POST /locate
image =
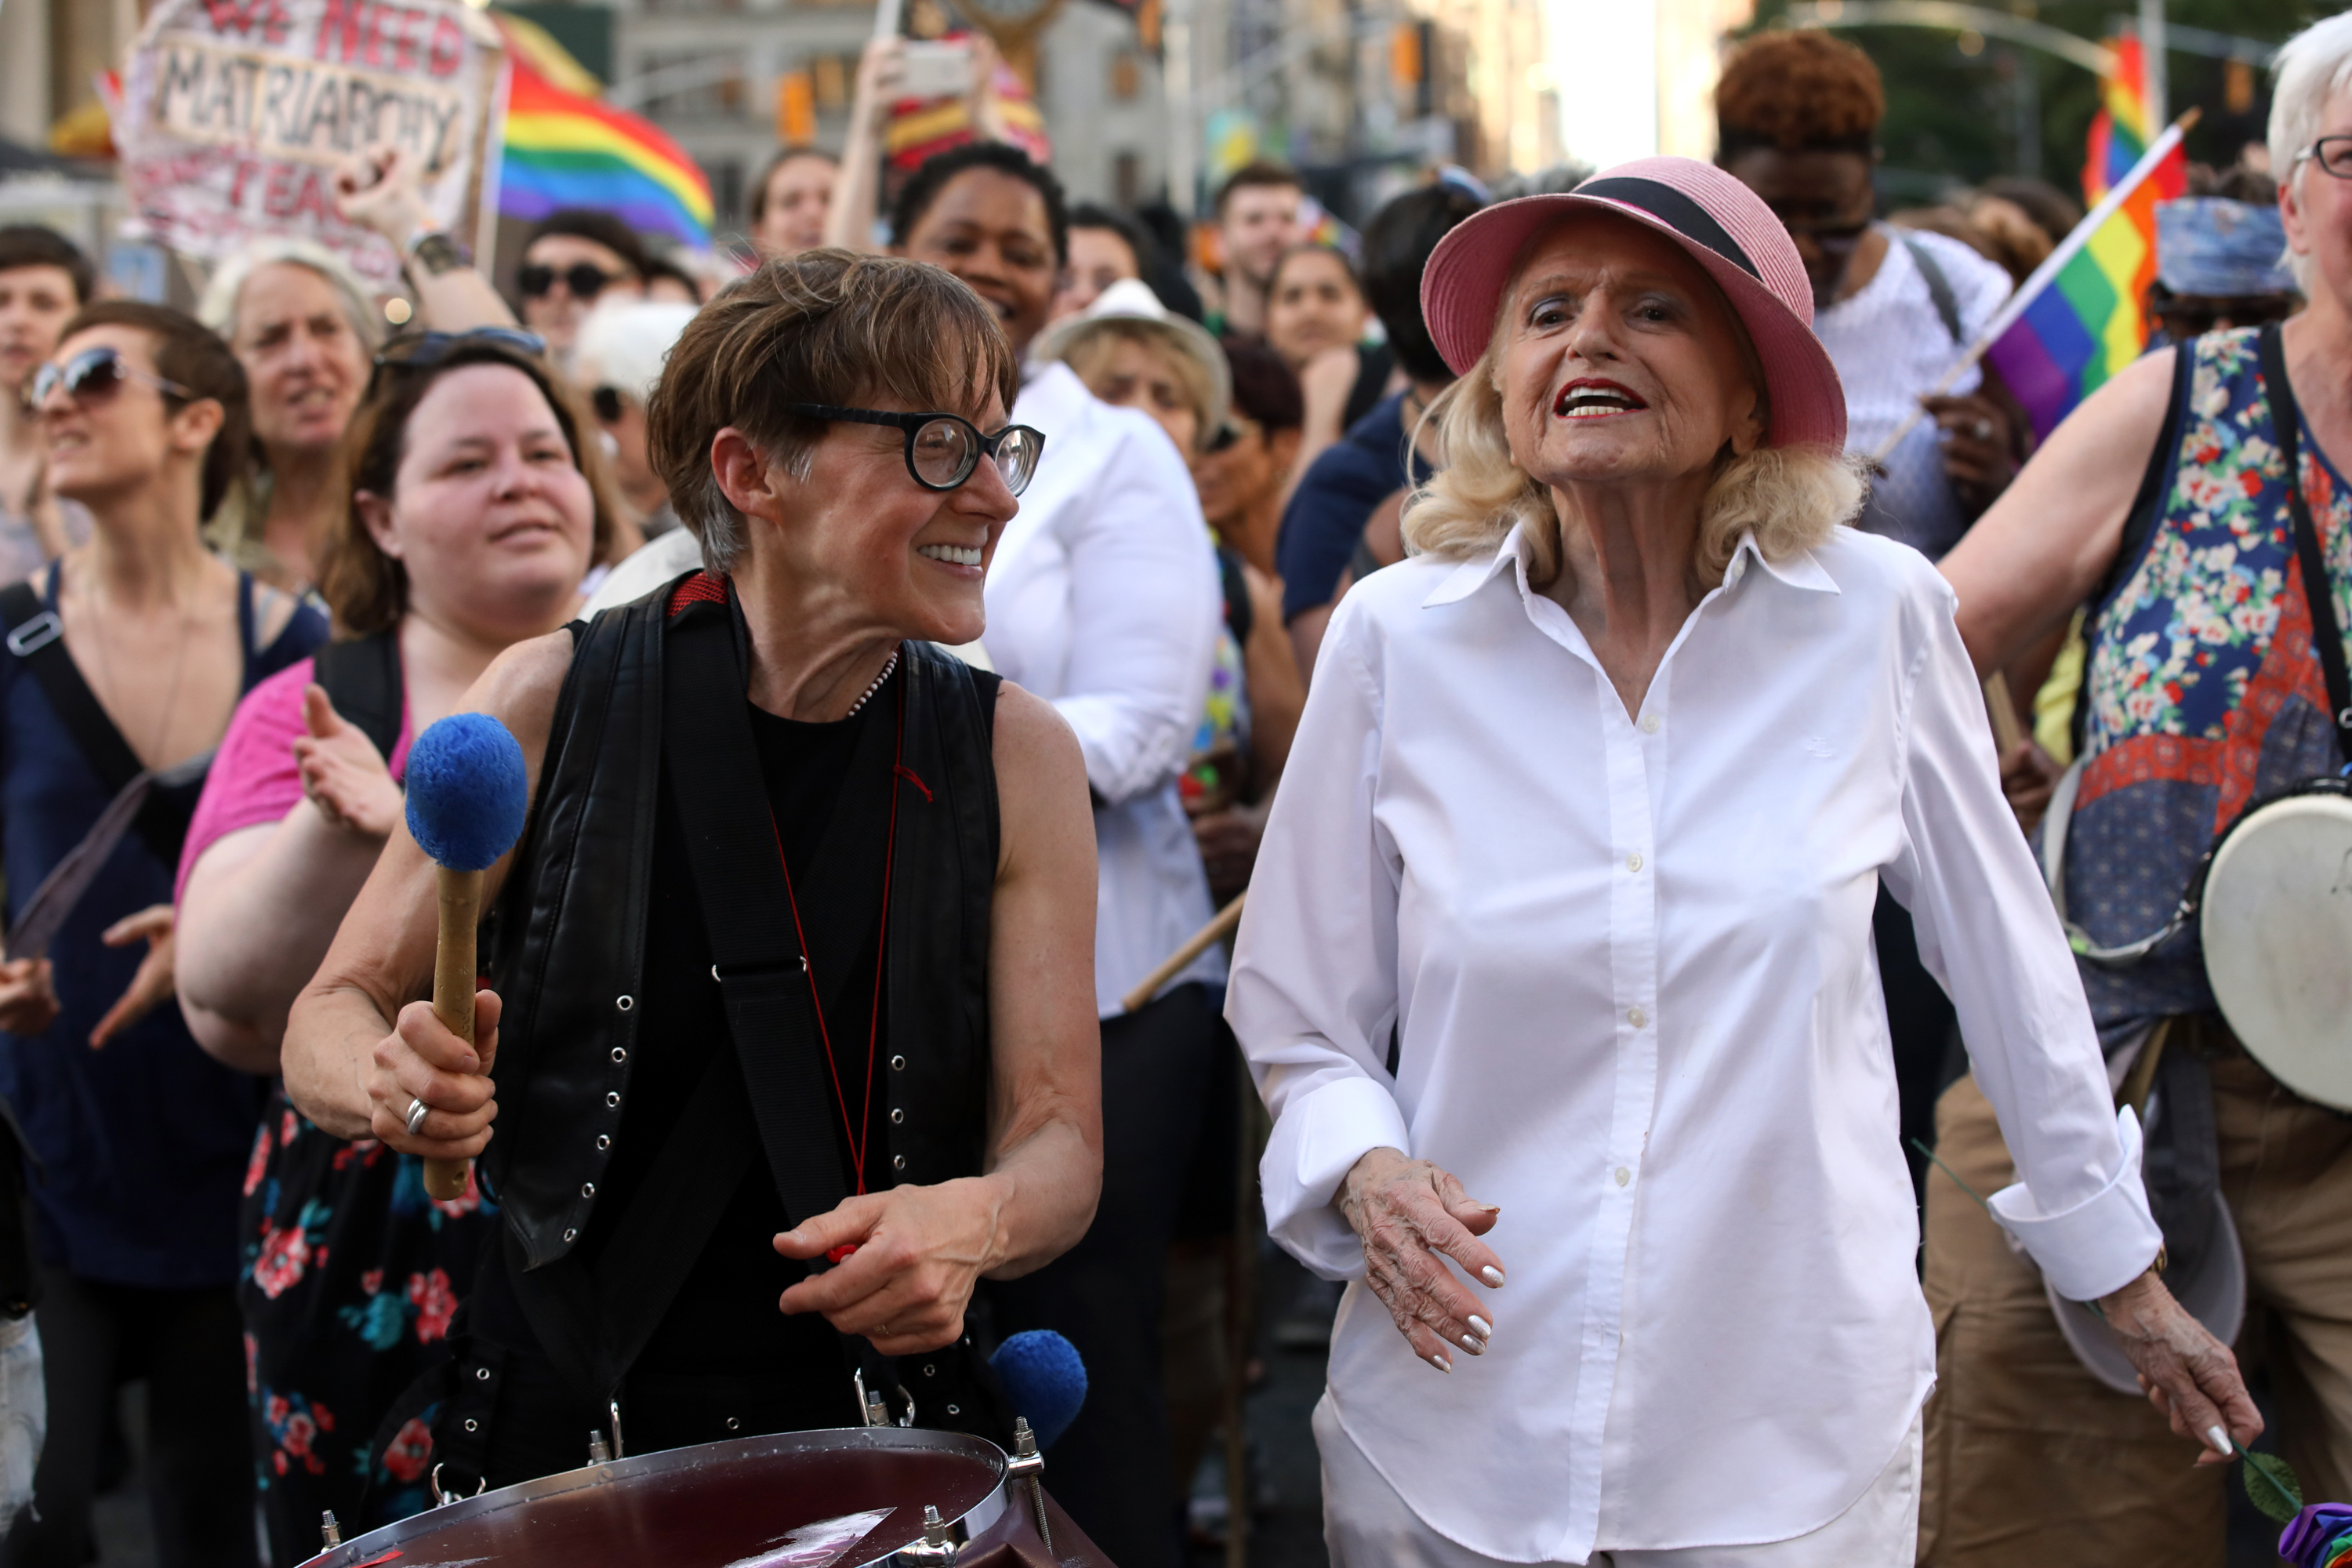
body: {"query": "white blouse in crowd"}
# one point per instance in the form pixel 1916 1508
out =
pixel 1891 347
pixel 1102 599
pixel 1628 961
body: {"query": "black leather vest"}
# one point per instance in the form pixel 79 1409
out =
pixel 570 942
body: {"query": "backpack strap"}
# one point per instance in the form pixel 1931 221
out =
pixel 1940 286
pixel 363 679
pixel 37 636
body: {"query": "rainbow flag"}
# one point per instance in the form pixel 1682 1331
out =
pixel 2119 130
pixel 567 150
pixel 2083 315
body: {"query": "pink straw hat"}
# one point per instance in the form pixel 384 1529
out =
pixel 1725 227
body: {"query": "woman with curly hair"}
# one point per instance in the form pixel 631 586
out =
pixel 1565 907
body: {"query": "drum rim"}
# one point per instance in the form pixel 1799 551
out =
pixel 973 1521
pixel 2303 793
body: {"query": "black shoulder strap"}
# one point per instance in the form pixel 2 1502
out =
pixel 2326 632
pixel 36 636
pixel 362 679
pixel 1939 287
pixel 739 879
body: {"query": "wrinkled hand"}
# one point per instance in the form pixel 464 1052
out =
pixel 375 189
pixel 2187 1372
pixel 421 1059
pixel 2029 775
pixel 153 982
pixel 343 775
pixel 920 1252
pixel 1980 450
pixel 29 996
pixel 881 80
pixel 1407 1213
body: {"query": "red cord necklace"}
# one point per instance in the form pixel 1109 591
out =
pixel 857 1131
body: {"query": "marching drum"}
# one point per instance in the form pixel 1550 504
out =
pixel 2276 920
pixel 846 1499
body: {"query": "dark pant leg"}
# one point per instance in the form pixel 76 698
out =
pixel 199 1437
pixel 1110 1470
pixel 81 1361
pixel 1921 1024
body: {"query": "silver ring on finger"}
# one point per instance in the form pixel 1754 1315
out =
pixel 417 1110
pixel 1983 430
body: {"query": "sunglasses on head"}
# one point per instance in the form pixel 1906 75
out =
pixel 585 280
pixel 422 350
pixel 92 376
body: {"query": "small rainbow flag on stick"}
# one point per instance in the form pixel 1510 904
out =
pixel 2120 132
pixel 2082 315
pixel 567 150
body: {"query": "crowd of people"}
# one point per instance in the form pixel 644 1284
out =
pixel 1561 617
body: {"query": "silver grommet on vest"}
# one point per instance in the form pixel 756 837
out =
pixel 571 1236
pixel 481 1374
pixel 625 1002
pixel 612 1100
pixel 620 1054
pixel 898 1064
pixel 897 1116
pixel 604 1142
pixel 587 1189
pixel 897 1162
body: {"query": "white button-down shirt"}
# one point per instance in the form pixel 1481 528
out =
pixel 1628 957
pixel 1102 599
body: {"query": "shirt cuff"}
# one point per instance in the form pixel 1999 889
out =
pixel 1317 1141
pixel 2103 1243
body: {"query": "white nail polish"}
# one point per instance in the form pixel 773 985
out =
pixel 1492 1275
pixel 2220 1437
pixel 1473 1344
pixel 1438 1360
pixel 1481 1327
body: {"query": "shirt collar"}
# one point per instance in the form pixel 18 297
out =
pixel 1802 570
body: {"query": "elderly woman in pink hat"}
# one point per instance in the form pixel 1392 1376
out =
pixel 1558 967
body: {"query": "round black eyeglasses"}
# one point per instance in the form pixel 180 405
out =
pixel 943 449
pixel 2333 153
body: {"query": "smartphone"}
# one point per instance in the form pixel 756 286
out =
pixel 936 69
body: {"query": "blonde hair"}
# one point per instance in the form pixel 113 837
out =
pixel 1088 357
pixel 1792 497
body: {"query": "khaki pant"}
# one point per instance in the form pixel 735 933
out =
pixel 2031 1461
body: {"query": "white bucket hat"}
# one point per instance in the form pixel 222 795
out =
pixel 1130 302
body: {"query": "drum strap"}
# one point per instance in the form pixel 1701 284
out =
pixel 2326 633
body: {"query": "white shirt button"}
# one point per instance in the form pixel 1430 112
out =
pixel 1636 1017
pixel 1633 861
pixel 1649 724
pixel 1623 1175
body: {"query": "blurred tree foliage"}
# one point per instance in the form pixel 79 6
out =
pixel 1955 118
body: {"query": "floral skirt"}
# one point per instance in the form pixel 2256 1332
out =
pixel 351 1276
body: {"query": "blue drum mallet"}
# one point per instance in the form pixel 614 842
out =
pixel 467 793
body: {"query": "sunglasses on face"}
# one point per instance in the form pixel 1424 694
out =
pixel 585 280
pixel 607 402
pixel 93 376
pixel 943 449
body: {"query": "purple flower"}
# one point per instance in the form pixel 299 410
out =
pixel 2307 1539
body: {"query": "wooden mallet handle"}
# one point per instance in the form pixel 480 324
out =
pixel 454 978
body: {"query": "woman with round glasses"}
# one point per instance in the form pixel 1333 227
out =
pixel 470 516
pixel 789 1039
pixel 123 662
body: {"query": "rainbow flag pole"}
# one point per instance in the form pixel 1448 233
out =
pixel 2042 318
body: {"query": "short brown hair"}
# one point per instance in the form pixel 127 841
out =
pixel 187 352
pixel 32 245
pixel 1087 357
pixel 1261 173
pixel 367 590
pixel 824 326
pixel 1799 90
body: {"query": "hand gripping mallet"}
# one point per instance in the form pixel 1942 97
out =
pixel 468 792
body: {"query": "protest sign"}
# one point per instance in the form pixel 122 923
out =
pixel 235 113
